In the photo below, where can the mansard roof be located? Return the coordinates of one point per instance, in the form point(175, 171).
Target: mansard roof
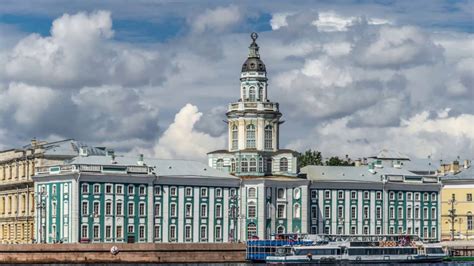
point(466, 174)
point(387, 154)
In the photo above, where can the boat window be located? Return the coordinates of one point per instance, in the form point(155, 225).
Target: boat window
point(381, 251)
point(326, 251)
point(434, 251)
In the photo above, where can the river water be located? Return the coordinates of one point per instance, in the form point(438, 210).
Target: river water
point(253, 264)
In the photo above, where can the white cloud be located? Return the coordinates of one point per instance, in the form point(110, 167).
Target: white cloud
point(181, 140)
point(217, 19)
point(278, 20)
point(333, 22)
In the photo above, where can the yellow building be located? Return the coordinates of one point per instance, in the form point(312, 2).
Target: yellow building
point(17, 200)
point(457, 206)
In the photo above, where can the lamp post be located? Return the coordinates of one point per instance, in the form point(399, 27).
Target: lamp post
point(452, 215)
point(234, 215)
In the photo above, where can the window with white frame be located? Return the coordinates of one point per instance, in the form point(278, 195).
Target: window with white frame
point(353, 195)
point(400, 213)
point(253, 165)
point(433, 232)
point(366, 212)
point(189, 192)
point(108, 231)
point(433, 196)
point(314, 229)
point(218, 211)
point(220, 164)
point(391, 195)
point(314, 212)
point(108, 208)
point(203, 192)
point(96, 210)
point(327, 194)
point(141, 209)
point(235, 137)
point(108, 189)
point(252, 192)
point(327, 230)
point(131, 229)
point(119, 209)
point(417, 196)
point(340, 212)
point(203, 210)
point(378, 213)
point(96, 188)
point(425, 213)
point(366, 195)
point(409, 211)
point(433, 214)
point(353, 212)
point(173, 209)
point(85, 188)
point(173, 191)
point(353, 230)
point(425, 198)
point(244, 165)
point(232, 191)
point(327, 212)
point(157, 232)
point(187, 232)
point(157, 190)
point(188, 210)
point(283, 165)
point(400, 195)
point(218, 233)
point(203, 233)
point(142, 191)
point(378, 230)
point(131, 209)
point(250, 136)
point(172, 232)
point(469, 197)
point(391, 213)
point(84, 231)
point(296, 211)
point(251, 230)
point(252, 211)
point(53, 209)
point(85, 208)
point(366, 230)
point(314, 194)
point(252, 94)
point(141, 232)
point(268, 137)
point(281, 211)
point(96, 231)
point(340, 194)
point(409, 196)
point(118, 232)
point(119, 189)
point(378, 195)
point(280, 229)
point(131, 190)
point(281, 193)
point(232, 165)
point(218, 192)
point(391, 230)
point(469, 221)
point(417, 213)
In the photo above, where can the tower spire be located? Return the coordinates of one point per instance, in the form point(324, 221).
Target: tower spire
point(253, 48)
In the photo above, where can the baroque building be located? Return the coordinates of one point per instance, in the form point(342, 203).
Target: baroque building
point(122, 199)
point(17, 198)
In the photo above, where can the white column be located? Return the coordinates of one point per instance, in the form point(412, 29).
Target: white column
point(334, 200)
point(359, 212)
point(181, 219)
point(372, 213)
point(210, 217)
point(304, 210)
point(165, 226)
point(241, 133)
point(196, 216)
point(289, 210)
point(347, 212)
point(150, 216)
point(225, 215)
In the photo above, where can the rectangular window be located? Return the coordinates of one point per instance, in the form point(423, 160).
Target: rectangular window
point(119, 189)
point(253, 165)
point(409, 216)
point(425, 198)
point(85, 208)
point(218, 193)
point(469, 197)
point(340, 212)
point(96, 188)
point(203, 192)
point(433, 196)
point(417, 213)
point(141, 209)
point(400, 196)
point(327, 194)
point(203, 210)
point(189, 192)
point(141, 232)
point(366, 212)
point(433, 214)
point(314, 194)
point(409, 196)
point(118, 232)
point(157, 232)
point(108, 189)
point(131, 229)
point(172, 232)
point(119, 209)
point(314, 212)
point(391, 230)
point(108, 208)
point(340, 195)
point(353, 212)
point(173, 209)
point(108, 231)
point(142, 191)
point(157, 209)
point(96, 208)
point(366, 230)
point(353, 195)
point(131, 209)
point(417, 196)
point(252, 211)
point(469, 222)
point(188, 210)
point(96, 232)
point(281, 193)
point(157, 190)
point(131, 190)
point(314, 230)
point(218, 211)
point(391, 195)
point(187, 232)
point(366, 195)
point(391, 213)
point(203, 232)
point(281, 211)
point(84, 231)
point(425, 213)
point(378, 195)
point(378, 213)
point(173, 191)
point(400, 213)
point(353, 230)
point(85, 188)
point(218, 233)
point(327, 213)
point(378, 230)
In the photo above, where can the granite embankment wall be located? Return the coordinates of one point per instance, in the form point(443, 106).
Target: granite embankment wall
point(136, 253)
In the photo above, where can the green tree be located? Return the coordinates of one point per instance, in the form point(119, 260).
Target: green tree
point(310, 157)
point(335, 161)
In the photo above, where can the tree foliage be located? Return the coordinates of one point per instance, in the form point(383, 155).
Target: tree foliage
point(335, 161)
point(310, 157)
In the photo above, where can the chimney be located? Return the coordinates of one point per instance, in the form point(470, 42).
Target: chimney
point(140, 160)
point(83, 151)
point(357, 163)
point(454, 167)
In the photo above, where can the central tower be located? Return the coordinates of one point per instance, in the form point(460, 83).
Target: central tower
point(253, 127)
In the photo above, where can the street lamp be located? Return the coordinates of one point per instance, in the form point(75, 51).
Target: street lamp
point(234, 215)
point(452, 215)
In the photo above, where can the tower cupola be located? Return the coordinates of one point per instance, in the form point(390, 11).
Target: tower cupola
point(253, 62)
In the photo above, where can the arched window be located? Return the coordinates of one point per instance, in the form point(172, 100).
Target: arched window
point(253, 165)
point(268, 137)
point(244, 93)
point(220, 164)
point(296, 210)
point(260, 93)
point(244, 165)
point(252, 94)
point(280, 230)
point(284, 164)
point(251, 230)
point(235, 137)
point(232, 165)
point(250, 136)
point(269, 165)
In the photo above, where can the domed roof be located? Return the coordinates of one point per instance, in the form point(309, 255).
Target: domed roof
point(253, 62)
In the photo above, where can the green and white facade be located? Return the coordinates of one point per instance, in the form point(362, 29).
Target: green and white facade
point(106, 199)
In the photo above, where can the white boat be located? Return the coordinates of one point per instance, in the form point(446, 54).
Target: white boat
point(352, 252)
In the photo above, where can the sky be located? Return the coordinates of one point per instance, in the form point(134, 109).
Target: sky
point(156, 77)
